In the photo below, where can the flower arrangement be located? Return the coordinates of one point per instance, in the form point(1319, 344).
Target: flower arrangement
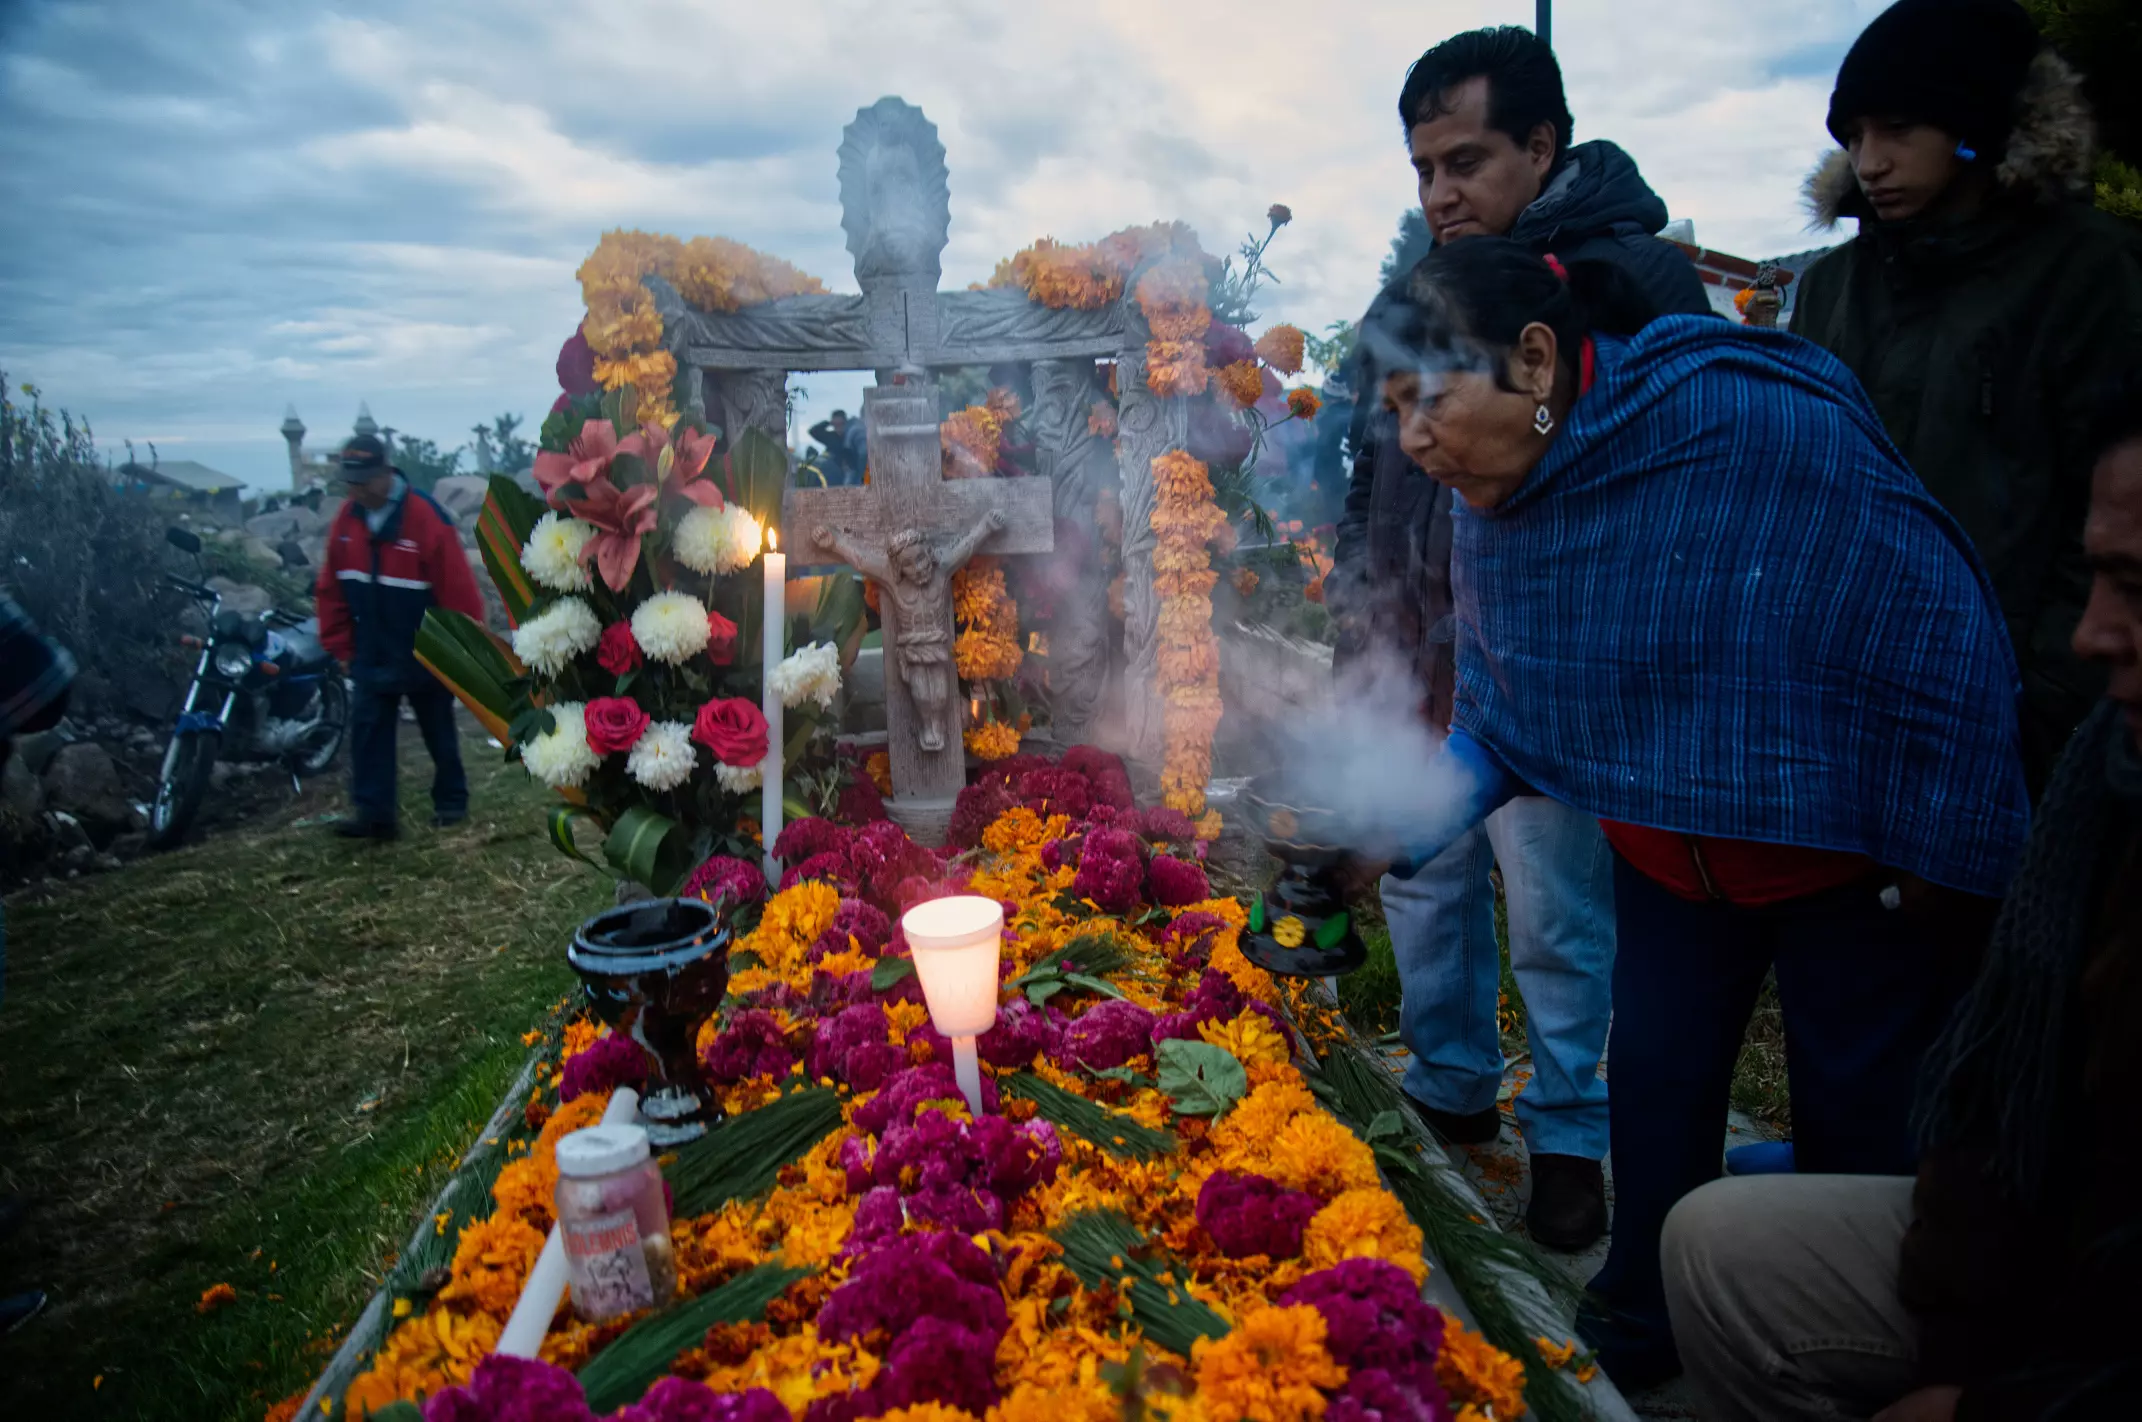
point(1185, 522)
point(1157, 1211)
point(632, 681)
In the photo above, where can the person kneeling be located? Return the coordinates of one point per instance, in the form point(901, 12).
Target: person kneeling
point(2000, 1283)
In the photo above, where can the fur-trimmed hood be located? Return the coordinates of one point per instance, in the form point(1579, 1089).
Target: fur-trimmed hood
point(2048, 157)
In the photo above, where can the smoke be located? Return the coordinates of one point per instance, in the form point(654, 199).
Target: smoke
point(1372, 760)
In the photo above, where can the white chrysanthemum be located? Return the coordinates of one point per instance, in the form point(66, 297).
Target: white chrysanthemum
point(671, 627)
point(564, 630)
point(664, 757)
point(808, 674)
point(562, 757)
point(552, 556)
point(736, 779)
point(716, 540)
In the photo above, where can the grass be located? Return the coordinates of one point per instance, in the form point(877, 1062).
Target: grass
point(253, 1061)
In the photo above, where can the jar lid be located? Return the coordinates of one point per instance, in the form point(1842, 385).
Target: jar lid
point(601, 1150)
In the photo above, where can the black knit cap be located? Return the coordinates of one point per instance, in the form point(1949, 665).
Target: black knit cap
point(1956, 64)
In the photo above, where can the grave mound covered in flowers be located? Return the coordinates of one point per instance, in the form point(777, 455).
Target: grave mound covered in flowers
point(1157, 1206)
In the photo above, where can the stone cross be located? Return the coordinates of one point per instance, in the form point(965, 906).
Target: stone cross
point(896, 212)
point(909, 530)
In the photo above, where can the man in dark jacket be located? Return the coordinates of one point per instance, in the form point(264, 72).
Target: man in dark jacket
point(1981, 300)
point(2000, 1284)
point(846, 454)
point(392, 554)
point(1488, 130)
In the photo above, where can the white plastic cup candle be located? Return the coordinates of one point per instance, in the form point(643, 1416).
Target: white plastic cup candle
point(774, 646)
point(956, 943)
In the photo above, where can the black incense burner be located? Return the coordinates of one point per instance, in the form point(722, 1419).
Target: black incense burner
point(653, 971)
point(1301, 926)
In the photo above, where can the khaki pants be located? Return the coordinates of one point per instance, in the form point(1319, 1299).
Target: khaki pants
point(1783, 1292)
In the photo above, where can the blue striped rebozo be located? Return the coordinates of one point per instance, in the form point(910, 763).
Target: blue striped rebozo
point(1723, 605)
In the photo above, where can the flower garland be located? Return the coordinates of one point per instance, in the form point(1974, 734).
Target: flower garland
point(986, 649)
point(1185, 522)
point(954, 1271)
point(1172, 293)
point(622, 326)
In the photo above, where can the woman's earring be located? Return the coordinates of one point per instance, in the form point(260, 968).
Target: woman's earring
point(1542, 421)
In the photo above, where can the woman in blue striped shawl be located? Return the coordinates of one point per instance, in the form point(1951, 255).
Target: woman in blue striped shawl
point(1700, 596)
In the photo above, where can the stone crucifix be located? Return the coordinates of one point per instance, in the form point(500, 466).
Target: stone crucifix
point(909, 530)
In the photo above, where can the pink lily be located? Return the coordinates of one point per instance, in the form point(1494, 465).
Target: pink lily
point(677, 464)
point(624, 516)
point(587, 460)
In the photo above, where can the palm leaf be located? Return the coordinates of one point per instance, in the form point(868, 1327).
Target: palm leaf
point(473, 664)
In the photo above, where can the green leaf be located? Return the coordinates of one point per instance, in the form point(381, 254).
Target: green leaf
point(1129, 1076)
point(1256, 914)
point(560, 825)
point(758, 471)
point(397, 1412)
point(1387, 1125)
point(643, 846)
point(890, 972)
point(642, 1353)
point(1201, 1079)
point(1040, 993)
point(625, 682)
point(1091, 984)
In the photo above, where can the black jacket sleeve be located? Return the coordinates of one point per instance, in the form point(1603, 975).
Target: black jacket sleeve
point(1663, 270)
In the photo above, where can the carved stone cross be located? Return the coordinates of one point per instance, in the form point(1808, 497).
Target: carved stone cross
point(909, 530)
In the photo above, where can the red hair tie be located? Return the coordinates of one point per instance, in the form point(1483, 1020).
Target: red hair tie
point(1554, 264)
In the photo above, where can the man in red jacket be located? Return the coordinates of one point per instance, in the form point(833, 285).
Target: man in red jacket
point(391, 554)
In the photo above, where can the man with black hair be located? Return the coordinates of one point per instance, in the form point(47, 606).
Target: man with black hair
point(846, 454)
point(1489, 135)
point(1980, 300)
point(2000, 1283)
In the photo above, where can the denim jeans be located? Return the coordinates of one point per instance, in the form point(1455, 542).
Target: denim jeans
point(375, 713)
point(1558, 877)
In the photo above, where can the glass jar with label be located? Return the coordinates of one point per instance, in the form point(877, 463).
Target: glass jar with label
point(615, 1223)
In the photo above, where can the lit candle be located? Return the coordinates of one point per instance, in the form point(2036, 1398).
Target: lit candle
point(956, 942)
point(775, 646)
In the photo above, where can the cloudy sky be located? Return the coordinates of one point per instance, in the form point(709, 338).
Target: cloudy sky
point(211, 209)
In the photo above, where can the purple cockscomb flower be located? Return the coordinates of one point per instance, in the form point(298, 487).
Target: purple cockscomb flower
point(504, 1389)
point(725, 878)
point(1107, 1035)
point(751, 1045)
point(613, 1061)
point(1173, 882)
point(1250, 1214)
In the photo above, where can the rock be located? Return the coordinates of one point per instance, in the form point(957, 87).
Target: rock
point(329, 508)
point(149, 690)
point(37, 749)
point(83, 782)
point(249, 598)
point(91, 694)
point(296, 521)
point(22, 801)
point(229, 535)
point(293, 554)
point(261, 553)
point(128, 846)
point(462, 495)
point(65, 831)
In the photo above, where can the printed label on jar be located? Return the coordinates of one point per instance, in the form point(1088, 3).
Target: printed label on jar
point(607, 1265)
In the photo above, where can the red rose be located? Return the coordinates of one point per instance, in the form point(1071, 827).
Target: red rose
point(615, 723)
point(731, 727)
point(721, 639)
point(617, 652)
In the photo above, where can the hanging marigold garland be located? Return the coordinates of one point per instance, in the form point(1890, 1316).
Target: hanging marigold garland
point(624, 329)
point(987, 648)
point(1185, 522)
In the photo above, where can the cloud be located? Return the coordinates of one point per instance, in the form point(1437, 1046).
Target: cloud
point(210, 209)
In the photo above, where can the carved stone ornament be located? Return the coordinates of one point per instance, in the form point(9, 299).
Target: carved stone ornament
point(895, 193)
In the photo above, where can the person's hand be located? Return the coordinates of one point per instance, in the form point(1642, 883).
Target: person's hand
point(1355, 875)
point(1928, 1404)
point(994, 520)
point(821, 535)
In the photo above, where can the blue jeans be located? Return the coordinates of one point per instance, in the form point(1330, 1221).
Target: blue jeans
point(375, 713)
point(1558, 877)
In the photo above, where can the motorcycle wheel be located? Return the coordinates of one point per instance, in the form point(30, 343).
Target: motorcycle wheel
point(188, 762)
point(324, 742)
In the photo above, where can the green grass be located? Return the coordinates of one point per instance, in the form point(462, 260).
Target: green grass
point(253, 1062)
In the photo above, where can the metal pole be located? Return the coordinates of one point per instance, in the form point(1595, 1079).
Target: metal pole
point(1543, 21)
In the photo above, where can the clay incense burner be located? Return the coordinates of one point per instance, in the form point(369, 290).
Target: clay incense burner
point(1301, 927)
point(654, 970)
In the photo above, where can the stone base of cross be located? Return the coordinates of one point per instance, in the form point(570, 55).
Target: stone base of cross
point(909, 530)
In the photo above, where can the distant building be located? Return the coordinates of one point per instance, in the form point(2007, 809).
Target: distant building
point(186, 481)
point(1726, 276)
point(308, 469)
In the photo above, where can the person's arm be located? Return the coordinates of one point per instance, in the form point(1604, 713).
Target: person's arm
point(992, 522)
point(1467, 783)
point(338, 632)
point(823, 433)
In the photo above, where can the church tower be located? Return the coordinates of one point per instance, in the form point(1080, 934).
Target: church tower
point(294, 436)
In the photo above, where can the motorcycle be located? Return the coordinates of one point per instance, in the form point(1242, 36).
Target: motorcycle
point(263, 689)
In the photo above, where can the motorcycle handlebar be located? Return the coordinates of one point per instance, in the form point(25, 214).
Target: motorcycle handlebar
point(199, 590)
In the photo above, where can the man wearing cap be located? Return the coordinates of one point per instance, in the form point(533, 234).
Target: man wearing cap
point(391, 554)
point(1981, 302)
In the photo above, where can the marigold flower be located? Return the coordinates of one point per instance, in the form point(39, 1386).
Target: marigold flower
point(1272, 1367)
point(1244, 581)
point(1474, 1371)
point(879, 768)
point(1280, 214)
point(1282, 348)
point(1241, 382)
point(1367, 1224)
point(214, 1297)
point(492, 1260)
point(1302, 403)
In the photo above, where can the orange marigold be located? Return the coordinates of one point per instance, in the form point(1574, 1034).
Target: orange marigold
point(492, 1261)
point(214, 1297)
point(1101, 419)
point(993, 741)
point(527, 1189)
point(879, 769)
point(1302, 403)
point(1282, 349)
point(1244, 581)
point(1474, 1371)
point(971, 439)
point(1272, 1368)
point(1314, 1152)
point(1366, 1224)
point(1175, 368)
point(1241, 382)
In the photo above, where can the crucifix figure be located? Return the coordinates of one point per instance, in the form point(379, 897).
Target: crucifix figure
point(909, 572)
point(909, 530)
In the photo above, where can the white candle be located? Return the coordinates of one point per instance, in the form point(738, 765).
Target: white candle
point(775, 647)
point(545, 1288)
point(956, 944)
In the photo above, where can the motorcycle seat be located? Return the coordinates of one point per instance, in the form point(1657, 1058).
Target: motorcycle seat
point(302, 643)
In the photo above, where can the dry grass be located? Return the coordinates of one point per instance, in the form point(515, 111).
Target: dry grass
point(250, 1062)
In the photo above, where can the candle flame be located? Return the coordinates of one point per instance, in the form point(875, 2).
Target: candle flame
point(773, 540)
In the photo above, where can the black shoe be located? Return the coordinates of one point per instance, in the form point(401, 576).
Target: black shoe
point(18, 1309)
point(1632, 1352)
point(443, 820)
point(1478, 1128)
point(1568, 1209)
point(367, 829)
